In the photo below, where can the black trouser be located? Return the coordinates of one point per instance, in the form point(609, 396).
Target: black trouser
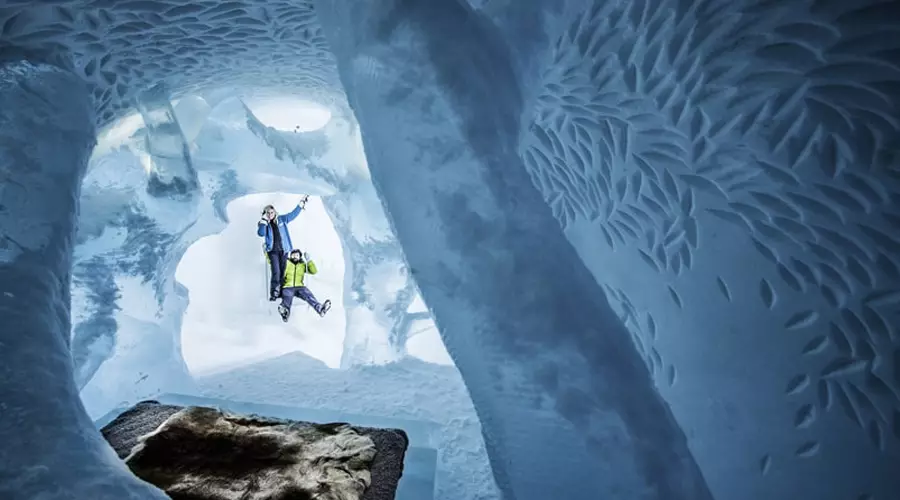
point(277, 262)
point(288, 294)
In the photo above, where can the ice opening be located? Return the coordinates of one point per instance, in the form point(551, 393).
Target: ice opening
point(289, 114)
point(229, 321)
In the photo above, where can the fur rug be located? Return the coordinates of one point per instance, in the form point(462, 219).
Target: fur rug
point(203, 453)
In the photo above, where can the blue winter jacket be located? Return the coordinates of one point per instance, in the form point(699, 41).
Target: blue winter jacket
point(265, 230)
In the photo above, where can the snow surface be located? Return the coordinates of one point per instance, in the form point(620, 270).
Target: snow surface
point(408, 389)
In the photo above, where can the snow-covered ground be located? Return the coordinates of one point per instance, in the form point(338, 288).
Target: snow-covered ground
point(409, 389)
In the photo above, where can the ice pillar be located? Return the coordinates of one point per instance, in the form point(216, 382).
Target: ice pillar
point(567, 407)
point(49, 448)
point(373, 279)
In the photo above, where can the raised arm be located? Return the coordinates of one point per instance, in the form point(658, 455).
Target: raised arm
point(288, 217)
point(261, 227)
point(311, 267)
point(295, 212)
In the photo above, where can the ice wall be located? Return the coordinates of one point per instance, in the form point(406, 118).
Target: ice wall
point(559, 388)
point(729, 172)
point(142, 207)
point(47, 132)
point(128, 307)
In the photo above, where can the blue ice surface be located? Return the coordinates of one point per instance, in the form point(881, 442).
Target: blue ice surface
point(419, 464)
point(173, 174)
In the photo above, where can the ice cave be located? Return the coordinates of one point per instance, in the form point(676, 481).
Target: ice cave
point(577, 249)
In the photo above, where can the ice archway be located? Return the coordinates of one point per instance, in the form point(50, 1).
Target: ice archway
point(293, 115)
point(229, 322)
point(727, 171)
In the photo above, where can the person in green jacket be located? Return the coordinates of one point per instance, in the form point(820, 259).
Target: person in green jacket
point(298, 266)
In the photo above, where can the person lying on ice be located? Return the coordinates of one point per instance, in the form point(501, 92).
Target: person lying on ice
point(273, 228)
point(298, 265)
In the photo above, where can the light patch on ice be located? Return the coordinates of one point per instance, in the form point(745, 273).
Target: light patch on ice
point(191, 112)
point(117, 134)
point(425, 343)
point(367, 221)
point(229, 322)
point(385, 278)
point(418, 305)
point(146, 162)
point(346, 155)
point(290, 115)
point(368, 337)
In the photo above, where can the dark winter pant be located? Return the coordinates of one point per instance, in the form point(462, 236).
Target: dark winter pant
point(287, 297)
point(277, 262)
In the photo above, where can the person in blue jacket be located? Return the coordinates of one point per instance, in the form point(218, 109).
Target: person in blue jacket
point(273, 228)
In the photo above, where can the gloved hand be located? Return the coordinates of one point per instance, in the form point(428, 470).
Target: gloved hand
point(303, 201)
point(263, 221)
point(306, 256)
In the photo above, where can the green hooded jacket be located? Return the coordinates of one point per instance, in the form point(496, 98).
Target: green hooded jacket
point(294, 273)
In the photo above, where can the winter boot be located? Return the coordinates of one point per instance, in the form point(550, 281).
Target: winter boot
point(284, 312)
point(324, 308)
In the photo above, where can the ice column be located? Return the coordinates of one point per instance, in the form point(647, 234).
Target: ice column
point(567, 407)
point(49, 448)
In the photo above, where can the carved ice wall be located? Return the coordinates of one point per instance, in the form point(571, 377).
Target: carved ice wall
point(730, 173)
point(124, 47)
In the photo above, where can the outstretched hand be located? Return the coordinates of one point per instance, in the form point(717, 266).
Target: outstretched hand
point(303, 201)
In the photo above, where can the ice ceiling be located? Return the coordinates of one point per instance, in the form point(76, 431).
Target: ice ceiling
point(724, 173)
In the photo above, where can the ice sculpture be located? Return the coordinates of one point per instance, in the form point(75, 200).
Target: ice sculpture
point(726, 170)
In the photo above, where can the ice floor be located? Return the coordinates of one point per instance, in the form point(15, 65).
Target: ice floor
point(409, 390)
point(428, 401)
